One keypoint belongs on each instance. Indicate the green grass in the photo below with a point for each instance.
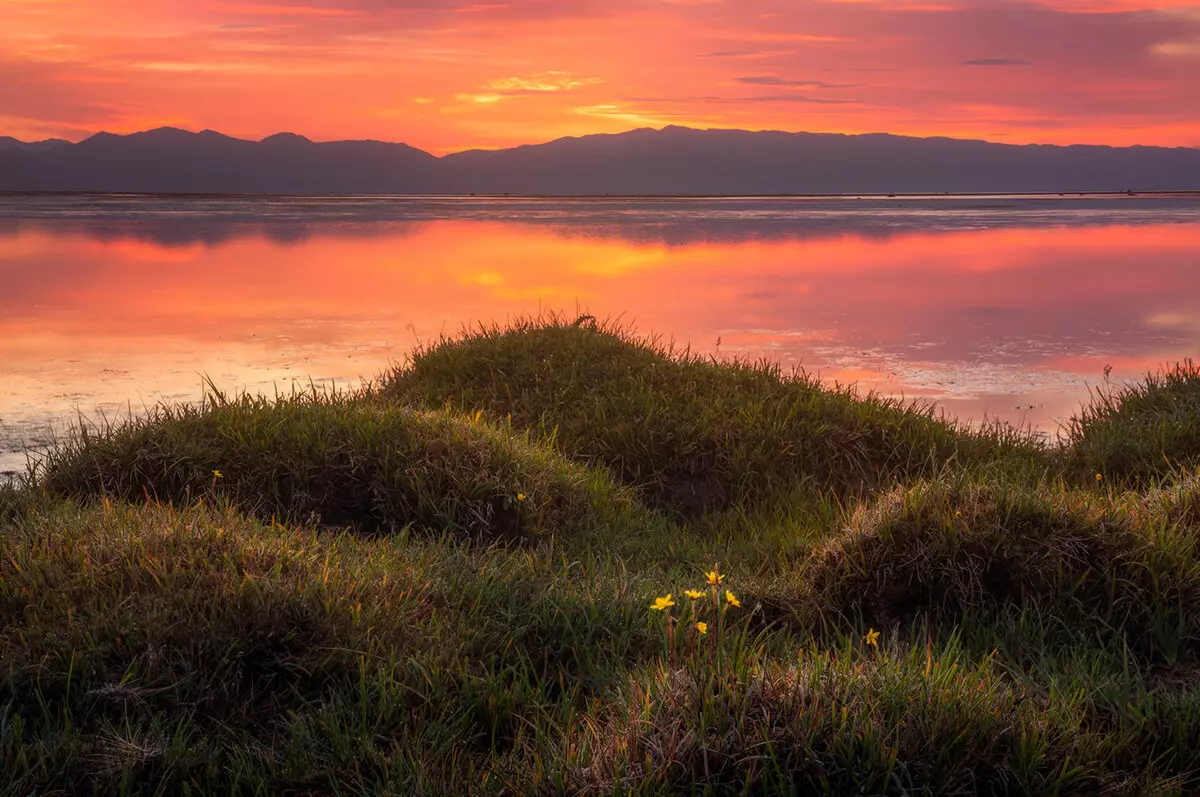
(841, 721)
(443, 586)
(691, 434)
(1140, 433)
(331, 459)
(951, 549)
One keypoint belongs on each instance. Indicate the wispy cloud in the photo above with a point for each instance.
(1177, 49)
(996, 62)
(767, 80)
(541, 82)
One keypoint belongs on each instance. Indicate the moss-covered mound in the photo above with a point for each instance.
(339, 462)
(951, 549)
(1140, 433)
(692, 433)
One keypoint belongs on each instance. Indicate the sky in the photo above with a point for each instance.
(447, 75)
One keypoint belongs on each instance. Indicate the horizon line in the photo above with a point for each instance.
(1186, 193)
(664, 128)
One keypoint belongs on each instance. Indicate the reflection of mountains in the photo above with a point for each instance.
(213, 221)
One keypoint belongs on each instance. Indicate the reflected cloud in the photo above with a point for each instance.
(990, 311)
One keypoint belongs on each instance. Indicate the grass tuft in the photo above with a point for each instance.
(335, 461)
(844, 721)
(1141, 433)
(953, 548)
(693, 434)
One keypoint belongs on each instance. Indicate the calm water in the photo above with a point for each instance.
(1001, 308)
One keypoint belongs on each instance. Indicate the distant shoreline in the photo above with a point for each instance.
(1031, 195)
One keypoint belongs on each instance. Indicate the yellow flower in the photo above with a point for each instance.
(1099, 477)
(520, 496)
(662, 603)
(872, 637)
(694, 593)
(731, 599)
(702, 628)
(218, 475)
(714, 577)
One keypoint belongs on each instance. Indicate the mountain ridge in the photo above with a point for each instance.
(672, 160)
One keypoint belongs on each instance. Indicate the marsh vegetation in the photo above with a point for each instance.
(558, 558)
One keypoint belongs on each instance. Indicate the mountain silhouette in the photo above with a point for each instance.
(168, 160)
(670, 161)
(10, 143)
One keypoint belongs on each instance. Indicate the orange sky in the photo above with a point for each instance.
(446, 75)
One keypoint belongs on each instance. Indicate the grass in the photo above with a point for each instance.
(325, 458)
(1142, 432)
(840, 721)
(444, 586)
(691, 434)
(949, 549)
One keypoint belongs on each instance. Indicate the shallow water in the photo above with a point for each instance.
(992, 307)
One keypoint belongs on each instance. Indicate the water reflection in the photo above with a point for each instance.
(1006, 312)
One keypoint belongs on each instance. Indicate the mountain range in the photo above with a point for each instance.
(670, 161)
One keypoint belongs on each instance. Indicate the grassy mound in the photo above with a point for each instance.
(954, 549)
(164, 638)
(155, 650)
(328, 460)
(856, 722)
(692, 433)
(1140, 433)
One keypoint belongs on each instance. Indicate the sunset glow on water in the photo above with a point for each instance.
(1006, 310)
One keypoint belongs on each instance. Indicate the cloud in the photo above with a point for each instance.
(800, 98)
(541, 82)
(1177, 49)
(766, 80)
(510, 71)
(497, 90)
(997, 62)
(480, 99)
(770, 98)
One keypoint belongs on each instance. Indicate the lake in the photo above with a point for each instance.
(993, 307)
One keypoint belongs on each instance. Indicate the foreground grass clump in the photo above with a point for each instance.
(150, 650)
(692, 433)
(1180, 501)
(953, 549)
(858, 720)
(147, 644)
(1140, 433)
(335, 461)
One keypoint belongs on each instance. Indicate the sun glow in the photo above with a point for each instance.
(445, 75)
